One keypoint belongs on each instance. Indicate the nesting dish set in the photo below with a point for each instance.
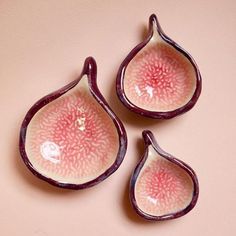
(72, 139)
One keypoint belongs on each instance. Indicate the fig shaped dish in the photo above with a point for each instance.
(162, 187)
(158, 78)
(71, 138)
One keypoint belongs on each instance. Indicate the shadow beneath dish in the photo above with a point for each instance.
(143, 34)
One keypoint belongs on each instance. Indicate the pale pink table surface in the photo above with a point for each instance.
(43, 45)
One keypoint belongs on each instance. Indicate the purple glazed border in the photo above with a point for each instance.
(121, 73)
(90, 69)
(149, 139)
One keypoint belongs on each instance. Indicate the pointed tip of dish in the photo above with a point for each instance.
(90, 66)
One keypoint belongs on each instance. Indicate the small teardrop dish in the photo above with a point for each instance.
(71, 138)
(158, 78)
(162, 187)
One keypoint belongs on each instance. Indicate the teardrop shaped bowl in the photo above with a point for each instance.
(71, 138)
(162, 187)
(158, 78)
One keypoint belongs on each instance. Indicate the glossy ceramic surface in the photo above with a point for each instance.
(158, 78)
(43, 46)
(71, 138)
(162, 187)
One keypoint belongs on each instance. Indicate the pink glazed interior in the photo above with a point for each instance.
(72, 139)
(163, 187)
(159, 78)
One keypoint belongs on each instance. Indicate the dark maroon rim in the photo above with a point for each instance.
(149, 139)
(90, 69)
(121, 74)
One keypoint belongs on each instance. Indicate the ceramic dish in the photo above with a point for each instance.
(71, 138)
(162, 187)
(158, 78)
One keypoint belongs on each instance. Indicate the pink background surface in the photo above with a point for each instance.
(43, 45)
